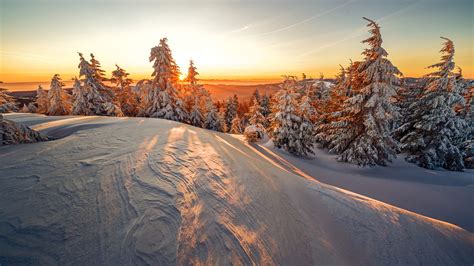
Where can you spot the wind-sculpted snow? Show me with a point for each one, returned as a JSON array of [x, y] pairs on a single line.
[[121, 191]]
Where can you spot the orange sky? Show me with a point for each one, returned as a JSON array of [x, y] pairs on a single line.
[[227, 40]]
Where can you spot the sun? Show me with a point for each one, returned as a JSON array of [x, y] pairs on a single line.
[[182, 76]]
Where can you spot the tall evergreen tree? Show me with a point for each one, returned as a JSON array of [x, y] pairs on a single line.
[[433, 131], [59, 100], [95, 97], [361, 133], [162, 95]]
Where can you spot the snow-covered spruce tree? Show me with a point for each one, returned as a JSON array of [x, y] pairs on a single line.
[[124, 97], [306, 112], [236, 126], [286, 123], [42, 100], [7, 102], [213, 120], [255, 116], [230, 112], [59, 100], [265, 110], [255, 130], [322, 89], [255, 96], [95, 97], [406, 95], [325, 121], [80, 101], [361, 133], [161, 97], [434, 131], [13, 133], [192, 74], [195, 116]]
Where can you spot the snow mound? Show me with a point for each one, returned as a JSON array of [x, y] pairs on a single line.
[[152, 191], [13, 133]]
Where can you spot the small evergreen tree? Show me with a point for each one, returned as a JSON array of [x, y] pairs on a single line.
[[195, 117], [213, 120], [255, 96], [322, 89], [306, 128], [255, 115], [124, 97], [59, 100], [287, 123], [230, 112], [42, 100], [236, 126], [265, 110], [192, 73]]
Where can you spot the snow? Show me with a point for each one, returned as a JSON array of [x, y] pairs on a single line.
[[151, 191], [440, 194]]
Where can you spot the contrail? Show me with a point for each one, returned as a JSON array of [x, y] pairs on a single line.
[[359, 31], [307, 19]]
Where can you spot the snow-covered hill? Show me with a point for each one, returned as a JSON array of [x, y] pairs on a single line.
[[151, 191]]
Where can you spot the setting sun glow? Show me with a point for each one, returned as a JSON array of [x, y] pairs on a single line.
[[251, 40]]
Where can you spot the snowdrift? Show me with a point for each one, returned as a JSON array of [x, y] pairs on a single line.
[[151, 191]]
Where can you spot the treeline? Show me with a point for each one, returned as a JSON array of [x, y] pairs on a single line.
[[366, 117]]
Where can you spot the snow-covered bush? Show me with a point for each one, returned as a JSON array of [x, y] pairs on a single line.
[[7, 102], [254, 133], [13, 133]]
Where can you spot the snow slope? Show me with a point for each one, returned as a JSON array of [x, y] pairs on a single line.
[[440, 194], [151, 191]]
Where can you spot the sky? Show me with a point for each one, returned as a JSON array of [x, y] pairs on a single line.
[[227, 39]]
